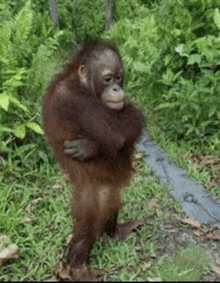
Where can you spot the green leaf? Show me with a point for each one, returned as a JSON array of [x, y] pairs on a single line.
[[190, 130], [177, 32], [27, 147], [35, 127], [5, 129], [209, 54], [4, 101], [23, 24], [217, 18], [168, 58], [179, 49], [18, 104], [194, 58], [141, 67], [20, 131], [4, 148], [212, 110], [43, 156], [168, 76], [177, 75]]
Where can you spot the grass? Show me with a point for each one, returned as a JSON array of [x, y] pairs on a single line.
[[40, 231], [35, 214], [185, 265], [177, 153]]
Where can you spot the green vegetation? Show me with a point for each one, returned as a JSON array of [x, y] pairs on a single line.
[[186, 265], [171, 52], [172, 55], [39, 221]]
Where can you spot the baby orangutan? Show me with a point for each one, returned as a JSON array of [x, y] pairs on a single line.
[[92, 130]]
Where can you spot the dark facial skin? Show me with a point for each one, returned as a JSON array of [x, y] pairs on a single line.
[[113, 96], [106, 79]]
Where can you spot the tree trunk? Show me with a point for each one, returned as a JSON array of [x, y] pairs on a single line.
[[54, 12], [108, 9]]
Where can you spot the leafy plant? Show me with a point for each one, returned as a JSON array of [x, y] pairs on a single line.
[[172, 57], [85, 18], [13, 77]]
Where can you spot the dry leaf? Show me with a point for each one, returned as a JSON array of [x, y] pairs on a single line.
[[3, 238], [154, 203], [139, 155], [213, 185], [212, 235], [196, 167], [191, 222], [66, 177], [158, 212], [203, 161], [169, 226], [189, 153], [68, 238], [69, 199], [104, 238], [210, 159], [216, 269], [216, 175], [52, 279], [28, 220], [133, 164], [80, 273], [62, 271], [157, 279], [135, 175], [37, 200], [206, 235], [198, 233], [29, 208], [10, 252], [57, 186], [126, 228], [146, 265]]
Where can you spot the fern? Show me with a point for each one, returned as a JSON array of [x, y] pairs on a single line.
[[170, 105], [22, 24], [7, 58], [13, 37], [13, 41]]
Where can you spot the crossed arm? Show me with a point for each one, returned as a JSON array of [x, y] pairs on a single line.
[[81, 148]]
